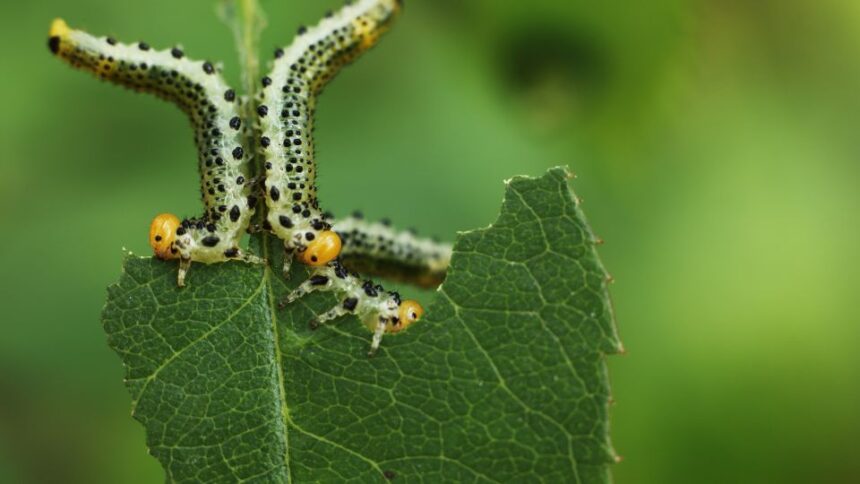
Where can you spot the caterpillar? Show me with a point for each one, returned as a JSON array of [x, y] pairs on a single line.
[[384, 251], [286, 108], [285, 111], [375, 248], [381, 311], [199, 90]]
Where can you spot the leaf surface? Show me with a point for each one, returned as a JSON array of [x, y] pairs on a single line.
[[504, 379]]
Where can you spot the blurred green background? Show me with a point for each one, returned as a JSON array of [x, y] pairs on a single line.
[[716, 148]]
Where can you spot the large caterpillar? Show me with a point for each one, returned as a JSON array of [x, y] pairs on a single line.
[[286, 108], [200, 91], [287, 102]]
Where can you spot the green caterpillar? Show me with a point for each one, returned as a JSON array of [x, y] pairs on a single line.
[[200, 91]]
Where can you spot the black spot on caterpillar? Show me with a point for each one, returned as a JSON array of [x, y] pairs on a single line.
[[202, 94], [286, 108]]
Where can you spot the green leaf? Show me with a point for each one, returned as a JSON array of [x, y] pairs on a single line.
[[504, 379]]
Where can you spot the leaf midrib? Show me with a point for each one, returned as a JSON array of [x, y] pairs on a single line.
[[286, 421], [279, 361]]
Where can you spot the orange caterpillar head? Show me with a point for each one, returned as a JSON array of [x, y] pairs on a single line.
[[162, 234], [323, 249], [409, 312]]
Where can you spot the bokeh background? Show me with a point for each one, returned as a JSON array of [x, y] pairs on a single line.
[[716, 146]]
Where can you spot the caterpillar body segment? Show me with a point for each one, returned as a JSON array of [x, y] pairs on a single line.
[[377, 249], [382, 311], [285, 116], [212, 107]]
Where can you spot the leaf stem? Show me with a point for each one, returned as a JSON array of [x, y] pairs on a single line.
[[251, 24], [246, 20]]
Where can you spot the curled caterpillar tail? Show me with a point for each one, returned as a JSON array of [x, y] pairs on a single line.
[[198, 90], [382, 311], [286, 110], [377, 249]]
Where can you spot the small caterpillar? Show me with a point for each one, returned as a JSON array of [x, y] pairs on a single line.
[[384, 251], [286, 109], [380, 310], [200, 91], [375, 248]]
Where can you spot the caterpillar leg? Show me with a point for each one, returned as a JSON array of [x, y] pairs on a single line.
[[255, 228], [236, 254], [314, 283], [249, 258], [184, 265], [288, 261], [257, 183], [333, 313], [381, 326]]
